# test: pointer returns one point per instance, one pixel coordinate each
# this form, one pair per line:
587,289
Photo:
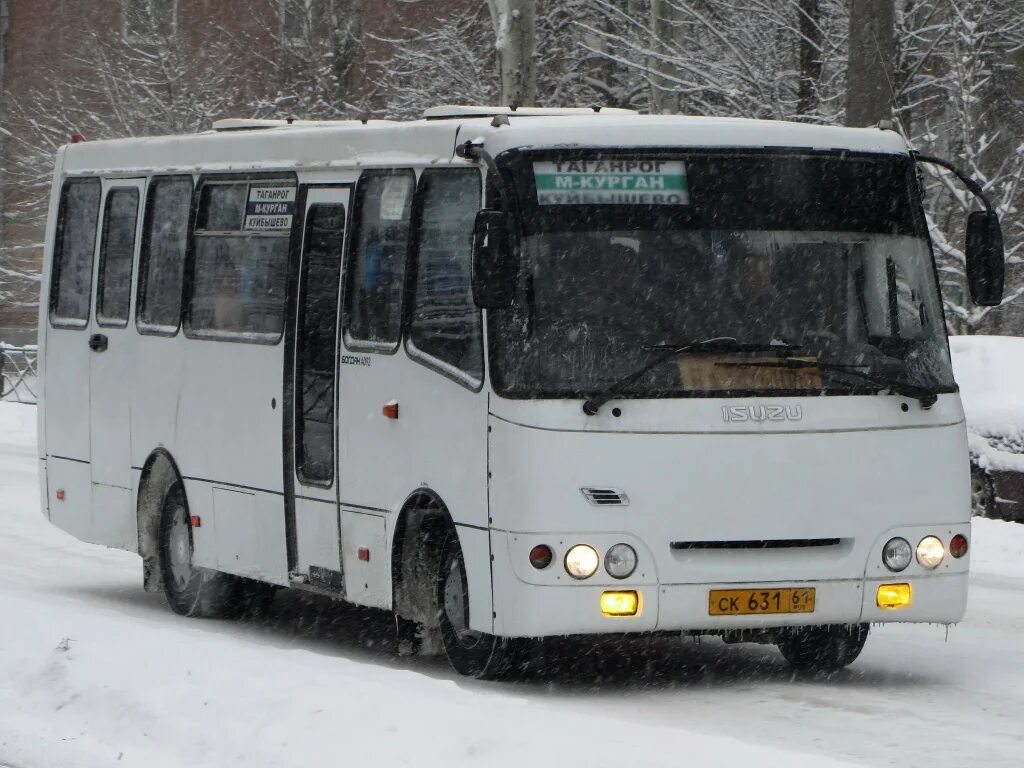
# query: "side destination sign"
633,181
270,208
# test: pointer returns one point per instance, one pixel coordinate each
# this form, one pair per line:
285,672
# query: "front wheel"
824,649
471,653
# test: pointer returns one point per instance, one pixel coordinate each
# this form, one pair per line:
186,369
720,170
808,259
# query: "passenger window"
240,268
445,322
315,343
162,257
117,249
376,272
74,245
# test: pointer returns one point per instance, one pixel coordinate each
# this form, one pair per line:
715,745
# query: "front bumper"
538,610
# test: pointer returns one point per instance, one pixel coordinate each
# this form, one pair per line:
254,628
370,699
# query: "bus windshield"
823,255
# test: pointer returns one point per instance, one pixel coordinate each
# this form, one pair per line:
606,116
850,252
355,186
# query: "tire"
824,649
470,653
190,590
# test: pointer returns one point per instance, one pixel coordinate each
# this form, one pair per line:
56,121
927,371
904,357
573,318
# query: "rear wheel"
824,649
190,590
471,653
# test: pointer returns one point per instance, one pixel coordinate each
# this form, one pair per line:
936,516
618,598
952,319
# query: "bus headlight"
930,552
620,561
581,561
896,554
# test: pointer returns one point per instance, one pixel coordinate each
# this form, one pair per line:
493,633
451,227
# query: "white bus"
515,374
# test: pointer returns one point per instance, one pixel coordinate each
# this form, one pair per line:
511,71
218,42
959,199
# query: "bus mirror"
494,268
985,263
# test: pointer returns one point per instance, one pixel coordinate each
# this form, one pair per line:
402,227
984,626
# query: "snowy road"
95,672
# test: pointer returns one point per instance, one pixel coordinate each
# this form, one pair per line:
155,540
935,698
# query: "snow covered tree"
956,99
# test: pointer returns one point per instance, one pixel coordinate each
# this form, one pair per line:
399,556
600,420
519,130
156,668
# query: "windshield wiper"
923,395
716,344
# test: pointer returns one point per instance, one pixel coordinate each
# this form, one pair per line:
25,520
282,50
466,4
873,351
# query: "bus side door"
312,518
111,345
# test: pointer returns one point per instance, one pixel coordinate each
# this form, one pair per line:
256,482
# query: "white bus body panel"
229,438
856,469
437,443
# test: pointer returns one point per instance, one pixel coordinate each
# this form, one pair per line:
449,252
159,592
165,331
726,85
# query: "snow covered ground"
95,672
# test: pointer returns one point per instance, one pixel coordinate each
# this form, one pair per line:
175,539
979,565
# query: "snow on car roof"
989,370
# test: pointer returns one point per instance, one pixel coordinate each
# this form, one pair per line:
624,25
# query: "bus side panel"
66,397
157,377
44,304
438,442
44,301
228,434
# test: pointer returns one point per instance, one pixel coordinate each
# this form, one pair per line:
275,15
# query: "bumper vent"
605,497
755,544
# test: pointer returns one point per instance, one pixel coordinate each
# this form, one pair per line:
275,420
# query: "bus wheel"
471,653
190,590
824,649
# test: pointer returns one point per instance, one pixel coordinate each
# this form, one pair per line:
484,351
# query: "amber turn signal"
620,603
893,596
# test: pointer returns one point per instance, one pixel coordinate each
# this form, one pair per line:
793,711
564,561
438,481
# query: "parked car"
990,372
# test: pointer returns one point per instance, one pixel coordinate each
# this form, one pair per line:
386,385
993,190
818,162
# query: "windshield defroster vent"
605,497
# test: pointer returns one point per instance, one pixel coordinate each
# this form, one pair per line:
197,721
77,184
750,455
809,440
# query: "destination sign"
270,208
632,181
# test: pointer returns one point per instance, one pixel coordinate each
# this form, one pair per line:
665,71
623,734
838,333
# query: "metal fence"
18,380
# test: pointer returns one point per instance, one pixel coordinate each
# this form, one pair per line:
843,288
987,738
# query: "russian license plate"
741,602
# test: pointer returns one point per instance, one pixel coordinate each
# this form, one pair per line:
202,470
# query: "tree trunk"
870,65
665,23
4,16
515,30
810,56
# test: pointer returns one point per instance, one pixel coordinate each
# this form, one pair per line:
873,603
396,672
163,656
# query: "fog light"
620,603
620,561
958,545
540,556
581,561
893,595
896,554
930,552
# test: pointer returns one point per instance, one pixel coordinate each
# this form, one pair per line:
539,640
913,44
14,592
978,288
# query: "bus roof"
279,145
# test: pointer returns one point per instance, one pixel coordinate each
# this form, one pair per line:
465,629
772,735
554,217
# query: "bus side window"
74,245
240,266
445,323
376,270
114,289
315,350
162,257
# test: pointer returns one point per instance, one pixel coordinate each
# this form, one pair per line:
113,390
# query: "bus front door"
110,345
312,511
